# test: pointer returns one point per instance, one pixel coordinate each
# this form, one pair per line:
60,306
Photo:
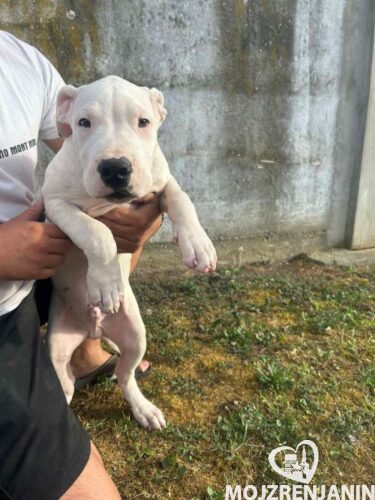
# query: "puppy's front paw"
197,249
106,287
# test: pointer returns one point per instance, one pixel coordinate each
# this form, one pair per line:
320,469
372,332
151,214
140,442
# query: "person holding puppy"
44,452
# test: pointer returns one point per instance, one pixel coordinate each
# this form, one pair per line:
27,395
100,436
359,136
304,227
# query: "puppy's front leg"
197,249
104,276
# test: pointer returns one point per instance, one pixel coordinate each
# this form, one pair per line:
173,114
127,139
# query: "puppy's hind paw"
149,416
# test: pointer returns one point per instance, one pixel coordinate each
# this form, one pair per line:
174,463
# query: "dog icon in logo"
296,465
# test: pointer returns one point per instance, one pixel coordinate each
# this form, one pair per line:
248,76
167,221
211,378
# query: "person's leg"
88,357
43,448
93,483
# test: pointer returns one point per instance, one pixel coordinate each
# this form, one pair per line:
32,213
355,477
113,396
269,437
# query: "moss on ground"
244,361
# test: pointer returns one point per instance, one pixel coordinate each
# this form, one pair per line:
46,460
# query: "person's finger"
150,198
117,217
130,214
149,210
59,246
54,231
119,229
33,213
147,213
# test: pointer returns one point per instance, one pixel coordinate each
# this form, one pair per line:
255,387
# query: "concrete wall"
255,90
364,224
358,27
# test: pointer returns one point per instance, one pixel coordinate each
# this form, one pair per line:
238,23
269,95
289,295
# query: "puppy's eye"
84,122
143,122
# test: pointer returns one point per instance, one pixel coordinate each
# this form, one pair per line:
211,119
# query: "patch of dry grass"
244,361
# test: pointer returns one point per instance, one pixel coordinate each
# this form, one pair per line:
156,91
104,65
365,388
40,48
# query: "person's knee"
93,482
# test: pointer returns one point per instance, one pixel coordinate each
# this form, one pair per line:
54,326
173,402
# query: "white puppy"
110,157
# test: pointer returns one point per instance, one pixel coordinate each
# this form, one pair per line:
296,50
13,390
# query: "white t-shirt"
28,88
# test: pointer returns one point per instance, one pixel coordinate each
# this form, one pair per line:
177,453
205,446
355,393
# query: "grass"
245,361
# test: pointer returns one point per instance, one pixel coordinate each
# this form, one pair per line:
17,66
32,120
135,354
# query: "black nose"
115,172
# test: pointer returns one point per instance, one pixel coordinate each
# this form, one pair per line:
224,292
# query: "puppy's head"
113,126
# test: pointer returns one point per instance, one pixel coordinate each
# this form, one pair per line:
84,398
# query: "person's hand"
134,225
31,249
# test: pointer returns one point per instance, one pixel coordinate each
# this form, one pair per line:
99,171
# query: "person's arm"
131,226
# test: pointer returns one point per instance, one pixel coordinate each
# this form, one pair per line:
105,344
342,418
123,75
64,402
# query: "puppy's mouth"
120,196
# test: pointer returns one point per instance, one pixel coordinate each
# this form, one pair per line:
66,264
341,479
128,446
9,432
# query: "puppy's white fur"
92,294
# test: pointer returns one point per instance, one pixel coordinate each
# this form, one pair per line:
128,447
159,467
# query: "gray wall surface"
266,99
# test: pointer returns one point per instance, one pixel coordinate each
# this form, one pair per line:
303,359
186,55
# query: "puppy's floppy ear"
157,100
64,102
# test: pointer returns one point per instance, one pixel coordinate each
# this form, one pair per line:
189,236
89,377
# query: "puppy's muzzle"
115,172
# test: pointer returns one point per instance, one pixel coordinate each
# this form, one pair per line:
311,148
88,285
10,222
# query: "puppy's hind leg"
127,330
65,334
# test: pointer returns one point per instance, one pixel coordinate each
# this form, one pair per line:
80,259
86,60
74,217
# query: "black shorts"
43,448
